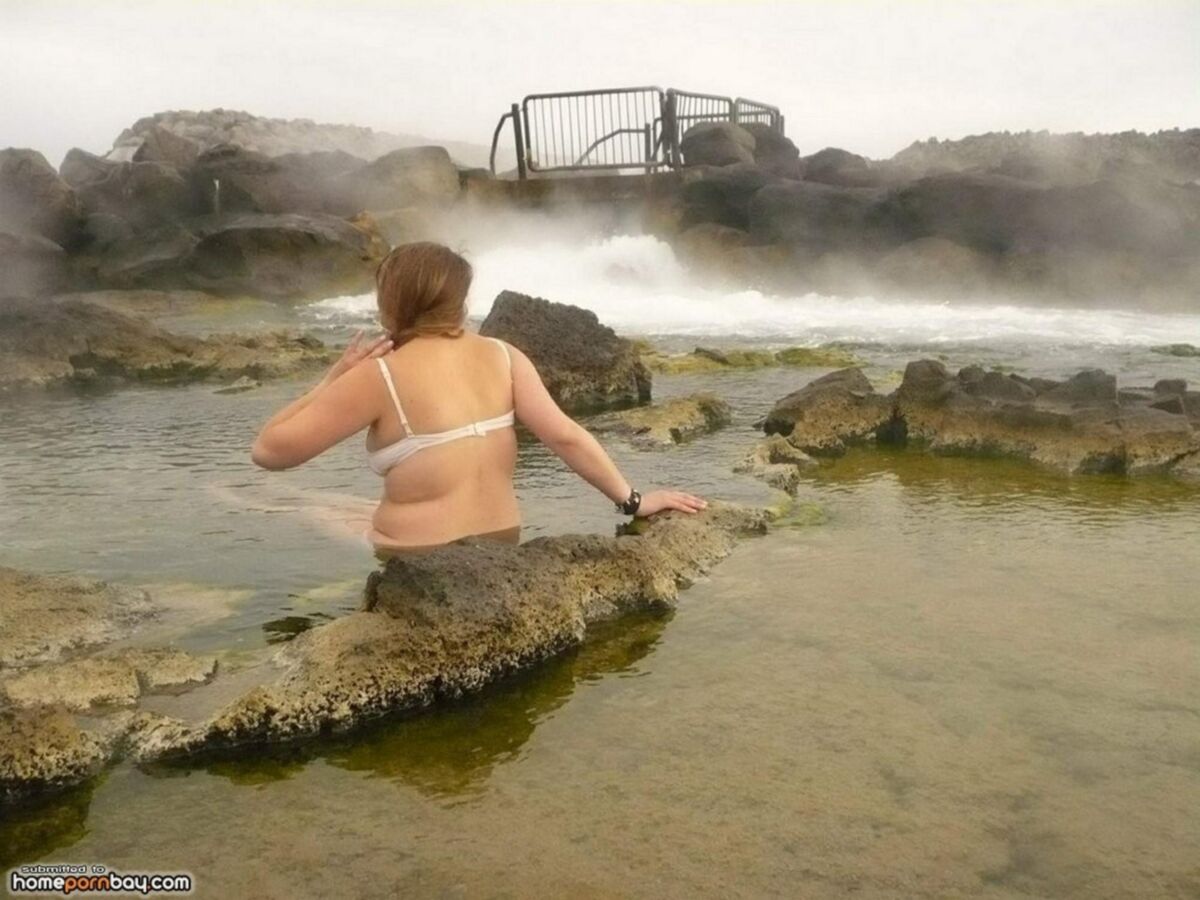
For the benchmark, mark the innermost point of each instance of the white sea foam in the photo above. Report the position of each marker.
(635, 284)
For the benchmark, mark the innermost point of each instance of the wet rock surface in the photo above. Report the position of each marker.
(43, 617)
(1081, 425)
(432, 625)
(665, 424)
(708, 359)
(584, 364)
(45, 342)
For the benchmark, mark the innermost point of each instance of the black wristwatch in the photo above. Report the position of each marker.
(630, 506)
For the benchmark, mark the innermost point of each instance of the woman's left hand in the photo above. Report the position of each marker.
(356, 351)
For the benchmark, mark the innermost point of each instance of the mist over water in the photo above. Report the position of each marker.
(635, 284)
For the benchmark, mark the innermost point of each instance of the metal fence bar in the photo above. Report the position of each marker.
(637, 128)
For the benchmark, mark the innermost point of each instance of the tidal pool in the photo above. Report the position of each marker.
(936, 678)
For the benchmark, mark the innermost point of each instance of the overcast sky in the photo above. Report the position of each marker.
(870, 77)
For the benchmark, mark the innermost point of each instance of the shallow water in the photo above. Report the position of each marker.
(938, 678)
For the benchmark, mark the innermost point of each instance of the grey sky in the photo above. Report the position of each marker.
(870, 77)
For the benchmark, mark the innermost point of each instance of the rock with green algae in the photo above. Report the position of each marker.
(776, 462)
(432, 626)
(707, 359)
(665, 424)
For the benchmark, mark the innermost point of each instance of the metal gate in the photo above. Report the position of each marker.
(616, 129)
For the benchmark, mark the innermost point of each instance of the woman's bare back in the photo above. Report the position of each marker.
(460, 487)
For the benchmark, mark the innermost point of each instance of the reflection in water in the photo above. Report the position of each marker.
(32, 830)
(452, 752)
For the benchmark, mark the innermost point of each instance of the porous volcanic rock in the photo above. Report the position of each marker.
(44, 616)
(1080, 425)
(585, 365)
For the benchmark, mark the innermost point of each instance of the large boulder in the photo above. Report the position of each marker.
(840, 168)
(939, 266)
(816, 216)
(284, 256)
(721, 195)
(717, 144)
(35, 200)
(830, 413)
(80, 167)
(142, 194)
(46, 342)
(774, 152)
(585, 365)
(31, 265)
(161, 145)
(412, 176)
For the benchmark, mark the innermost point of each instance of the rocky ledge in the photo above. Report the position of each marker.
(432, 626)
(1084, 424)
(69, 340)
(586, 367)
(665, 424)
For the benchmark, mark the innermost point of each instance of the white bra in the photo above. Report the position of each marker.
(385, 457)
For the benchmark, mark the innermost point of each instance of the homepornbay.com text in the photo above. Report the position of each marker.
(66, 879)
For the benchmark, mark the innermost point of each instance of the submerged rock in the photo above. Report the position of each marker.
(707, 359)
(1080, 425)
(776, 462)
(51, 341)
(665, 424)
(433, 625)
(585, 365)
(44, 616)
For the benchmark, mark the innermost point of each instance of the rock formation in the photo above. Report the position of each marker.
(432, 626)
(665, 424)
(1081, 425)
(585, 365)
(69, 340)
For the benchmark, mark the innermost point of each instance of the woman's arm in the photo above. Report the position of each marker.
(576, 446)
(341, 404)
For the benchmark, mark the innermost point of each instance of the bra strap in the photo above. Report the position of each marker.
(504, 347)
(387, 377)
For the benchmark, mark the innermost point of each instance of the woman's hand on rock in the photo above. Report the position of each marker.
(657, 501)
(356, 351)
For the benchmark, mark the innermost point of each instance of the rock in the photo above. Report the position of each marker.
(80, 167)
(270, 256)
(161, 145)
(776, 462)
(585, 365)
(720, 196)
(665, 424)
(43, 748)
(233, 179)
(413, 176)
(142, 194)
(245, 383)
(77, 685)
(34, 200)
(840, 168)
(53, 341)
(831, 357)
(773, 152)
(31, 265)
(827, 414)
(1081, 425)
(939, 265)
(433, 625)
(816, 216)
(1177, 349)
(706, 359)
(717, 144)
(44, 616)
(449, 622)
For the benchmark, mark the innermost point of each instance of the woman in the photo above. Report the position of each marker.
(438, 403)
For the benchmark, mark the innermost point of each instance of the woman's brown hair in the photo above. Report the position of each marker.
(421, 290)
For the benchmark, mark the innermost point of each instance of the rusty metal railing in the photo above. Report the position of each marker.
(615, 129)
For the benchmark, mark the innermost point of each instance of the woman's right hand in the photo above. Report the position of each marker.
(657, 501)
